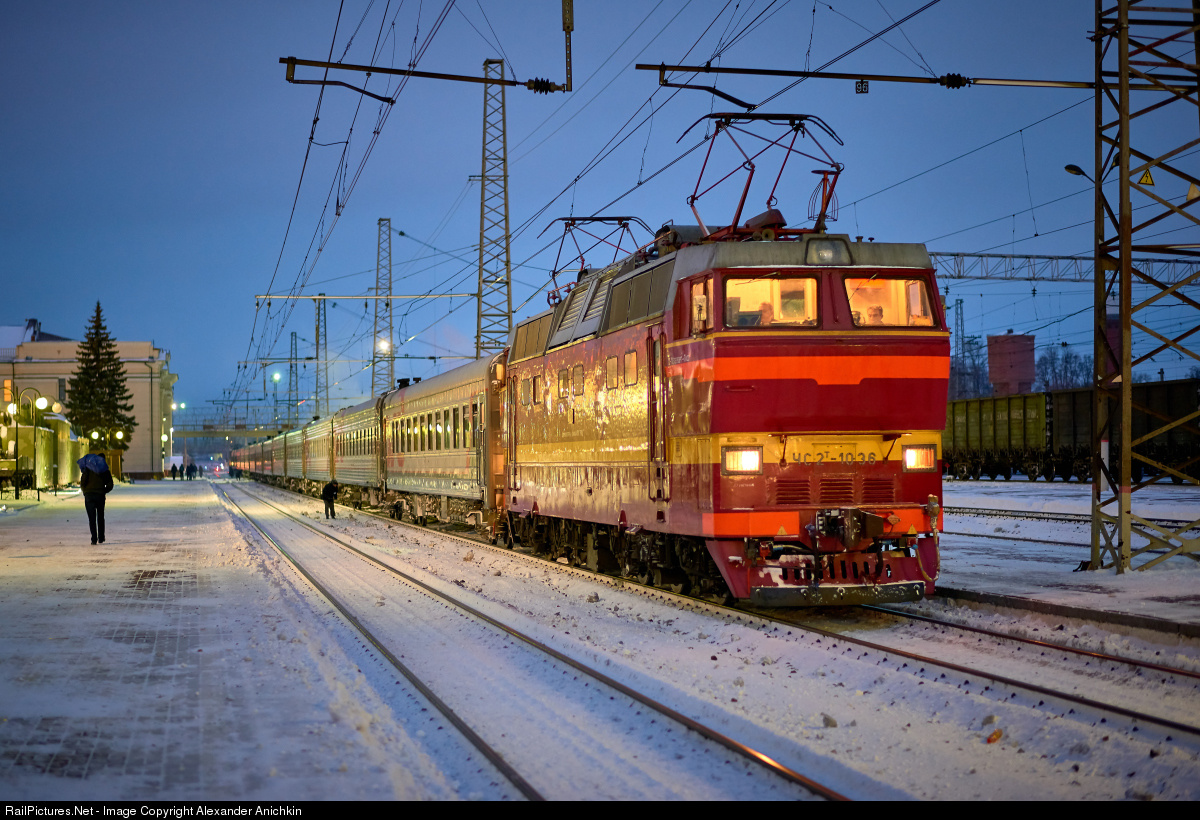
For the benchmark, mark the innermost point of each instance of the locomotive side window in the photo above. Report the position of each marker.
(630, 368)
(770, 300)
(611, 377)
(701, 299)
(537, 389)
(564, 383)
(577, 380)
(889, 302)
(524, 392)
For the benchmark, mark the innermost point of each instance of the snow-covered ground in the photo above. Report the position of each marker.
(182, 659)
(1046, 572)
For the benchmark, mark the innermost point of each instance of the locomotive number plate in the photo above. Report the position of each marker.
(829, 452)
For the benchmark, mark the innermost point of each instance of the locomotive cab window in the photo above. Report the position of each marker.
(889, 302)
(772, 299)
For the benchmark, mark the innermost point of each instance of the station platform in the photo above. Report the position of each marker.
(178, 661)
(168, 663)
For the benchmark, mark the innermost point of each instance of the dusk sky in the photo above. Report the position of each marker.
(154, 152)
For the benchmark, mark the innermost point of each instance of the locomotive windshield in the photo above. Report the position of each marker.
(771, 299)
(889, 302)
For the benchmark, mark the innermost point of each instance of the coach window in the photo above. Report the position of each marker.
(577, 380)
(437, 430)
(612, 378)
(456, 439)
(446, 429)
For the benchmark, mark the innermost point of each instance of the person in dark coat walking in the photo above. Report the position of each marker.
(329, 493)
(96, 481)
(174, 472)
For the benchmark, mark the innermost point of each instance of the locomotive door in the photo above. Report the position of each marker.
(660, 474)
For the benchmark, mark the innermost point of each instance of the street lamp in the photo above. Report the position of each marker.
(14, 409)
(1079, 172)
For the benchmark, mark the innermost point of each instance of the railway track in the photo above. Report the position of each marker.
(1058, 518)
(766, 618)
(1182, 686)
(501, 753)
(1040, 644)
(919, 680)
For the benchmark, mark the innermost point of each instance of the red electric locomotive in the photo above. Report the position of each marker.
(750, 411)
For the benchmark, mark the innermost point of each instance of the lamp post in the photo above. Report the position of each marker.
(14, 409)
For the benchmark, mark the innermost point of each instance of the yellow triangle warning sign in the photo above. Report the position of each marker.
(1146, 178)
(782, 531)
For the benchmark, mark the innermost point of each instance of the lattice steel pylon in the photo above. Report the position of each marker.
(383, 355)
(494, 321)
(1142, 147)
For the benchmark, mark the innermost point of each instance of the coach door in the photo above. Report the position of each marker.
(660, 474)
(509, 432)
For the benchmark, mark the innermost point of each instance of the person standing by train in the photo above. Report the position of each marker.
(174, 472)
(95, 481)
(329, 493)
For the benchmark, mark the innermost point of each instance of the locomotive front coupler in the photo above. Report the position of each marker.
(851, 525)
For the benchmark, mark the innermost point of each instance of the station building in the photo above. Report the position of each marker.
(36, 363)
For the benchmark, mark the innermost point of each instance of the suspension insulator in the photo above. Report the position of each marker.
(539, 86)
(954, 81)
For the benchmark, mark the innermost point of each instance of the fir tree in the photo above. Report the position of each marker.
(97, 397)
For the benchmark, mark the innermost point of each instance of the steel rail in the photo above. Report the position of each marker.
(704, 731)
(1157, 667)
(1061, 518)
(1044, 691)
(479, 743)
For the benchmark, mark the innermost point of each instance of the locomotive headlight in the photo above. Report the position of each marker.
(741, 460)
(919, 458)
(827, 252)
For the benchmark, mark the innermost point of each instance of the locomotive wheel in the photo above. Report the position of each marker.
(671, 580)
(1032, 470)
